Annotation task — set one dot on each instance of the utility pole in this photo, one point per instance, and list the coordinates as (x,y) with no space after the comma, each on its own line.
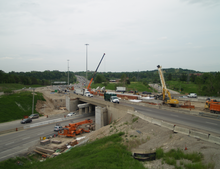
(68,72)
(86,61)
(33,102)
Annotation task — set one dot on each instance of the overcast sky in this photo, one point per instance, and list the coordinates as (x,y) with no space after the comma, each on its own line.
(136,35)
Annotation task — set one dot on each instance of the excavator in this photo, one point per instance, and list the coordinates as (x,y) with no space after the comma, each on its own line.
(166,99)
(88,87)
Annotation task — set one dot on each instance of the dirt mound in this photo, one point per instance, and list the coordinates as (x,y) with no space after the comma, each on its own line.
(140,134)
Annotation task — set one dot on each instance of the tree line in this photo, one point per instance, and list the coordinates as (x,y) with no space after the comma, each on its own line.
(36,77)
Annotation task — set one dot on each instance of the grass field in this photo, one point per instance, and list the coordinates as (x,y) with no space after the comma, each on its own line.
(16,106)
(139,86)
(186,88)
(14,86)
(107,152)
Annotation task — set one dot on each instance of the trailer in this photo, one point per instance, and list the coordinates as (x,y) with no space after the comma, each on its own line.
(112,97)
(120,89)
(83,92)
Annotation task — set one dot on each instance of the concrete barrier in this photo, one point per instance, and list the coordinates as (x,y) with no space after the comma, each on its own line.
(155,121)
(200,135)
(194,112)
(214,139)
(181,130)
(167,125)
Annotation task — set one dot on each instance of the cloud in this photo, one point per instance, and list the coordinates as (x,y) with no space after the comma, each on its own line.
(6,58)
(204,2)
(163,38)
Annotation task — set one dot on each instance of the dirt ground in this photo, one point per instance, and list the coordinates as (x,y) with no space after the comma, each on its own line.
(48,107)
(148,137)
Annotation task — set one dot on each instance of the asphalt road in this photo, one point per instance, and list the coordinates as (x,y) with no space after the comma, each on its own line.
(195,122)
(17,123)
(18,142)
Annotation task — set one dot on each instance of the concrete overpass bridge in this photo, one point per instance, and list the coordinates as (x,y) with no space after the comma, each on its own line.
(105,112)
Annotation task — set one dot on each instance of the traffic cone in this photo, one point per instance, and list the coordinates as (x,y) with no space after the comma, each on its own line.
(185,147)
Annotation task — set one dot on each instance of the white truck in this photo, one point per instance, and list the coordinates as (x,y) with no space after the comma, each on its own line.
(83,92)
(120,89)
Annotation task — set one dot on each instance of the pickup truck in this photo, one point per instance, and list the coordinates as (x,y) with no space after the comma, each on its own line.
(192,95)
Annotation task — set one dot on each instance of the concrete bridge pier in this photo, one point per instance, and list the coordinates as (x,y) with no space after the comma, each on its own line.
(71,104)
(86,110)
(90,108)
(80,110)
(101,117)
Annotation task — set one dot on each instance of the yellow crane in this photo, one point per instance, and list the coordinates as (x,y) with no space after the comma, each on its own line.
(167,100)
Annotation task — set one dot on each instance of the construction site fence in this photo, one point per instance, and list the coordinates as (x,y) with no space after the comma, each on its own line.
(179,129)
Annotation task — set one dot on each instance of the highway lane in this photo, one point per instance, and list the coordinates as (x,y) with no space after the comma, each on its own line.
(17,123)
(201,123)
(14,143)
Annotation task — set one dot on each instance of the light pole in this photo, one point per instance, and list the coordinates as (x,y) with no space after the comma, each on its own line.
(68,72)
(86,61)
(33,102)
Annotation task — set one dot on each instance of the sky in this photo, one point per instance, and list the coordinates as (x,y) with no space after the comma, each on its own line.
(39,35)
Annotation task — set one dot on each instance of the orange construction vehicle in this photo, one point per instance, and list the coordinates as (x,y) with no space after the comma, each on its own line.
(88,87)
(208,102)
(74,128)
(215,108)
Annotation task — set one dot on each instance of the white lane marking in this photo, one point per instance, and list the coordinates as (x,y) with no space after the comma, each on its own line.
(212,123)
(174,115)
(25,138)
(9,143)
(40,134)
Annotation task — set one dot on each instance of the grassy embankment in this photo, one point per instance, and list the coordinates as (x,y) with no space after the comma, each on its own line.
(139,86)
(16,106)
(186,88)
(5,87)
(107,152)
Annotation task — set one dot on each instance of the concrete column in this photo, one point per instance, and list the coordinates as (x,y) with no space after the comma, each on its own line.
(86,110)
(71,104)
(101,118)
(80,111)
(90,108)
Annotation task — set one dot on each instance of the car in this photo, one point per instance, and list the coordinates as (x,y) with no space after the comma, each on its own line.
(28,120)
(192,95)
(146,92)
(183,97)
(58,128)
(131,91)
(34,116)
(71,114)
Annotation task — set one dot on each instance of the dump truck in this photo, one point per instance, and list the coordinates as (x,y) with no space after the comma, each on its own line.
(215,108)
(112,97)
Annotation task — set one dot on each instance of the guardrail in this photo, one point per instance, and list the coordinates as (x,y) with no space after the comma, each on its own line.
(209,115)
(178,129)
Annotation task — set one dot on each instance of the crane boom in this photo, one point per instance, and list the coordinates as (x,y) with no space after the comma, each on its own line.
(165,91)
(95,72)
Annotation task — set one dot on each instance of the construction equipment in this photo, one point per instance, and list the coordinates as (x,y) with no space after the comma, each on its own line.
(136,92)
(215,108)
(210,101)
(112,97)
(88,87)
(74,128)
(167,99)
